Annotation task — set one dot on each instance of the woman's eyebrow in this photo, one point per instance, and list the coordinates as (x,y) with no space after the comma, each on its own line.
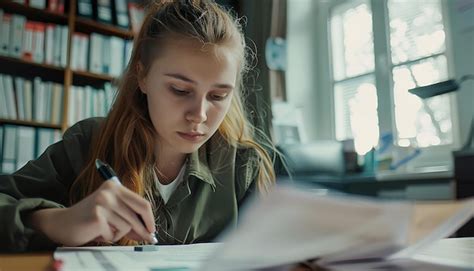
(189,80)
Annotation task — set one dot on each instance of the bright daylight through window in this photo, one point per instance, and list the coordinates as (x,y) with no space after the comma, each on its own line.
(417,55)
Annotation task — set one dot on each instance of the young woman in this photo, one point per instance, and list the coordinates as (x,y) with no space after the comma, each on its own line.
(177,137)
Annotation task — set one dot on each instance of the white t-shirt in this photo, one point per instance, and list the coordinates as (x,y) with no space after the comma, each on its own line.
(167,189)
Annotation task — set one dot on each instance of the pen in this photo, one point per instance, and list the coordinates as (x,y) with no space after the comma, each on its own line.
(108,174)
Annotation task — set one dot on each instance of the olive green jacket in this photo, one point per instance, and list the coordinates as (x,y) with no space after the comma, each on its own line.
(217,179)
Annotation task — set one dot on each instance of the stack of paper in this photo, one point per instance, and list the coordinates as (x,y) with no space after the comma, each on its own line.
(289,226)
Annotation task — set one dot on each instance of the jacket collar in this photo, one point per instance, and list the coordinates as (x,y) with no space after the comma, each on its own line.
(198,166)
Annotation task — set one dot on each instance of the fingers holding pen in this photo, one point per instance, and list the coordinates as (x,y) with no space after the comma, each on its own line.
(141,207)
(120,210)
(108,214)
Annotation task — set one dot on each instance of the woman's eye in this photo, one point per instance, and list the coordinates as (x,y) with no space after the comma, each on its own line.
(179,91)
(216,97)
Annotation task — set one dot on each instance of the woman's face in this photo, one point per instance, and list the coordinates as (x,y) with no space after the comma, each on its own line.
(189,91)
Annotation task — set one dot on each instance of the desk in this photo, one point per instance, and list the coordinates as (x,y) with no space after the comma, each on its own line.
(413,186)
(26,262)
(452,251)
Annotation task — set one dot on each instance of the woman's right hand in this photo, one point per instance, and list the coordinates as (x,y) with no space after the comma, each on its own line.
(108,214)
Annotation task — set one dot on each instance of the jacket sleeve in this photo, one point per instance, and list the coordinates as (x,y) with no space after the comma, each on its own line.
(41,183)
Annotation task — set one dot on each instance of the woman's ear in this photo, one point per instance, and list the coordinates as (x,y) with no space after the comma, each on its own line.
(141,77)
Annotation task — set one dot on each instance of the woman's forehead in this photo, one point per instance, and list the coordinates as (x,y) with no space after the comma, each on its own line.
(192,56)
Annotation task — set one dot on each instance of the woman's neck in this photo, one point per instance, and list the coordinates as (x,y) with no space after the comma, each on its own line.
(168,165)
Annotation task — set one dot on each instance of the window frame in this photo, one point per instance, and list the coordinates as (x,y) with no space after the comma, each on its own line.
(432,158)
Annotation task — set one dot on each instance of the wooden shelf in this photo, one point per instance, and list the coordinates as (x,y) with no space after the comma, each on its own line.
(86,25)
(33,13)
(30,123)
(14,66)
(81,78)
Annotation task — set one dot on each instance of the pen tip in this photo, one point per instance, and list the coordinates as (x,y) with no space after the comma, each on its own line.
(98,163)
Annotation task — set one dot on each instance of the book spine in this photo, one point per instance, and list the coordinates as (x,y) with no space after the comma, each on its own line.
(38,98)
(53,5)
(1,147)
(3,99)
(39,42)
(104,11)
(72,106)
(49,44)
(39,4)
(26,145)
(44,139)
(17,28)
(117,48)
(28,99)
(48,97)
(9,150)
(5,34)
(121,14)
(10,95)
(95,53)
(106,55)
(85,8)
(76,46)
(84,52)
(27,53)
(19,84)
(57,45)
(63,51)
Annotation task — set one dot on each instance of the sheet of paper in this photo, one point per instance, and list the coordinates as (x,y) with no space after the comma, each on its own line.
(289,225)
(115,258)
(454,254)
(457,252)
(396,265)
(434,221)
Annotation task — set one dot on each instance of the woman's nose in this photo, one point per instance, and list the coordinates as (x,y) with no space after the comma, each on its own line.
(198,112)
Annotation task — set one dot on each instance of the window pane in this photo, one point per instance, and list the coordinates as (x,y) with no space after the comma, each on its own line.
(356,112)
(416,29)
(352,39)
(422,122)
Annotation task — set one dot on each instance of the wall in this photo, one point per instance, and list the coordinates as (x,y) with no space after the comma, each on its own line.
(461,19)
(302,72)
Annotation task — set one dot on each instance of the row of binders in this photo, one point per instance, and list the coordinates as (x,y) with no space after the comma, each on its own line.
(127,14)
(30,100)
(86,101)
(100,54)
(33,41)
(55,6)
(20,144)
(122,13)
(47,43)
(41,101)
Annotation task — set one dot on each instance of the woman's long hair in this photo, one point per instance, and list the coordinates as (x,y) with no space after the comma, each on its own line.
(130,151)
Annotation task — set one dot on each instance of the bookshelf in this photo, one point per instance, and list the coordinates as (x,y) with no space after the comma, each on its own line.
(65,73)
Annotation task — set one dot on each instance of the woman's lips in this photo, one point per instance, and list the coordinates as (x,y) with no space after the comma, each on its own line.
(193,137)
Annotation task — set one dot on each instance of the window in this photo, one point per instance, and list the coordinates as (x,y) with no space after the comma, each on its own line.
(354,78)
(417,43)
(415,53)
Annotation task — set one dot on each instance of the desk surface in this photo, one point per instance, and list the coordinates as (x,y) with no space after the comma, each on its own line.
(28,261)
(454,251)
